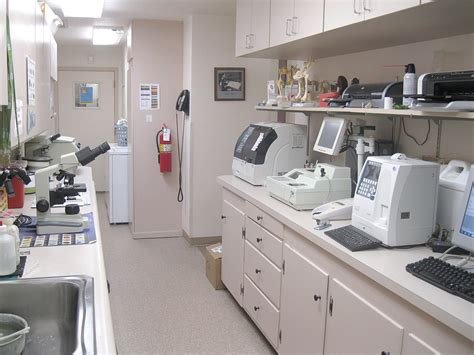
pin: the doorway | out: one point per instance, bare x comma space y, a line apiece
86, 109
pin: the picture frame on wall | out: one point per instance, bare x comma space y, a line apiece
229, 84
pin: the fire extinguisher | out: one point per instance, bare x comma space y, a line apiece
163, 144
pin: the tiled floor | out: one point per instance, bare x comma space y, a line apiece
163, 303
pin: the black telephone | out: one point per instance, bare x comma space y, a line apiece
182, 104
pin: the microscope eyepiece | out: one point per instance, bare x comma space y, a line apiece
86, 155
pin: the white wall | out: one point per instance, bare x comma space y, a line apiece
102, 57
214, 126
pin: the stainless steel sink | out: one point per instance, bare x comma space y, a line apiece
59, 310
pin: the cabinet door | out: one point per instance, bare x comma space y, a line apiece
307, 18
260, 31
375, 8
339, 13
243, 26
412, 345
354, 326
233, 221
303, 305
281, 17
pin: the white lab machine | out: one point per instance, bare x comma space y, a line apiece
396, 199
304, 189
463, 235
117, 196
452, 184
268, 148
334, 210
331, 136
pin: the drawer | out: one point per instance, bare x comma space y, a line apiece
263, 273
262, 311
264, 241
264, 219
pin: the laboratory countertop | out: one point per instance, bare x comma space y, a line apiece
77, 260
386, 267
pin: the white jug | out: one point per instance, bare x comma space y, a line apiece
9, 249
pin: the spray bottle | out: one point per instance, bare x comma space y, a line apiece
409, 84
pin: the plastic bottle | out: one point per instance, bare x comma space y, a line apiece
409, 84
9, 250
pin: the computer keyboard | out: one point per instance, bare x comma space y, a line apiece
353, 239
448, 277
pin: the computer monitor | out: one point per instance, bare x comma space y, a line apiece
464, 229
331, 136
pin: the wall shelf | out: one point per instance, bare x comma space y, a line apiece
415, 114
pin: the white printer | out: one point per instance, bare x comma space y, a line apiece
396, 199
268, 148
304, 189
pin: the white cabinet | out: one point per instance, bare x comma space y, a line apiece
252, 25
339, 13
412, 345
303, 305
117, 194
3, 49
354, 326
295, 19
233, 224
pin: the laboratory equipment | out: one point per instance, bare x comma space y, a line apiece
452, 183
353, 238
9, 249
117, 194
369, 95
463, 235
71, 221
396, 198
446, 276
43, 151
409, 84
304, 189
332, 211
331, 136
269, 148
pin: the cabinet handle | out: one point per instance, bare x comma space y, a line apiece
256, 308
247, 41
288, 26
294, 25
223, 217
258, 271
251, 40
366, 8
385, 353
355, 10
317, 298
331, 304
259, 240
259, 218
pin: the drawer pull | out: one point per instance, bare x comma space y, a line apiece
223, 217
256, 308
317, 298
259, 240
257, 271
259, 218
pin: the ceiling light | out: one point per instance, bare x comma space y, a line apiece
82, 8
106, 36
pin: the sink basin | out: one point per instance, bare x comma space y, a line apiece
59, 310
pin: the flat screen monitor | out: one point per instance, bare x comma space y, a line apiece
464, 230
331, 136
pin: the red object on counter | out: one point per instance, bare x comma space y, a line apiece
18, 200
324, 98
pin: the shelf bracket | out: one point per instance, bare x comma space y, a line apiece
439, 123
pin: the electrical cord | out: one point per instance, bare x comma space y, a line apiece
412, 137
180, 196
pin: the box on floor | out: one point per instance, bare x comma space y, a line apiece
213, 255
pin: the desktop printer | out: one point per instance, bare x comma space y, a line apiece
268, 148
361, 95
446, 91
305, 189
396, 198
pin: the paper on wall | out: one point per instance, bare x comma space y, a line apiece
31, 81
149, 97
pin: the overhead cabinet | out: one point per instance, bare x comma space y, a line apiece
252, 25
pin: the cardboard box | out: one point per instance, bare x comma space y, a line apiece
213, 255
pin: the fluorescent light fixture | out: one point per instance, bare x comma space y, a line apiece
82, 8
106, 36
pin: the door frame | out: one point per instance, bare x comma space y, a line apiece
97, 69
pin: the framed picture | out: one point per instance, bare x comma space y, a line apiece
229, 84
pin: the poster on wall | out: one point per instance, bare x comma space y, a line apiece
149, 97
31, 81
19, 115
31, 119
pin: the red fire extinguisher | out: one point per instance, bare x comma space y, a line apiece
163, 144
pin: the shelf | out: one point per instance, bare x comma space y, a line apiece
453, 116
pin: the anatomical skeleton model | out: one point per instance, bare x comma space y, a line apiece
302, 77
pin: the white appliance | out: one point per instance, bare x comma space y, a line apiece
396, 199
463, 235
330, 136
117, 195
304, 189
268, 148
452, 183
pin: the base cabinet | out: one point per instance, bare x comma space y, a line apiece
303, 305
354, 326
412, 345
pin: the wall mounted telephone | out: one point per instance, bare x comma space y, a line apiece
182, 104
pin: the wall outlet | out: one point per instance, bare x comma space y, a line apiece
148, 118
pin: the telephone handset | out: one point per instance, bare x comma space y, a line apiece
182, 104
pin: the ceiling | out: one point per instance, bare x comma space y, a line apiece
78, 31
